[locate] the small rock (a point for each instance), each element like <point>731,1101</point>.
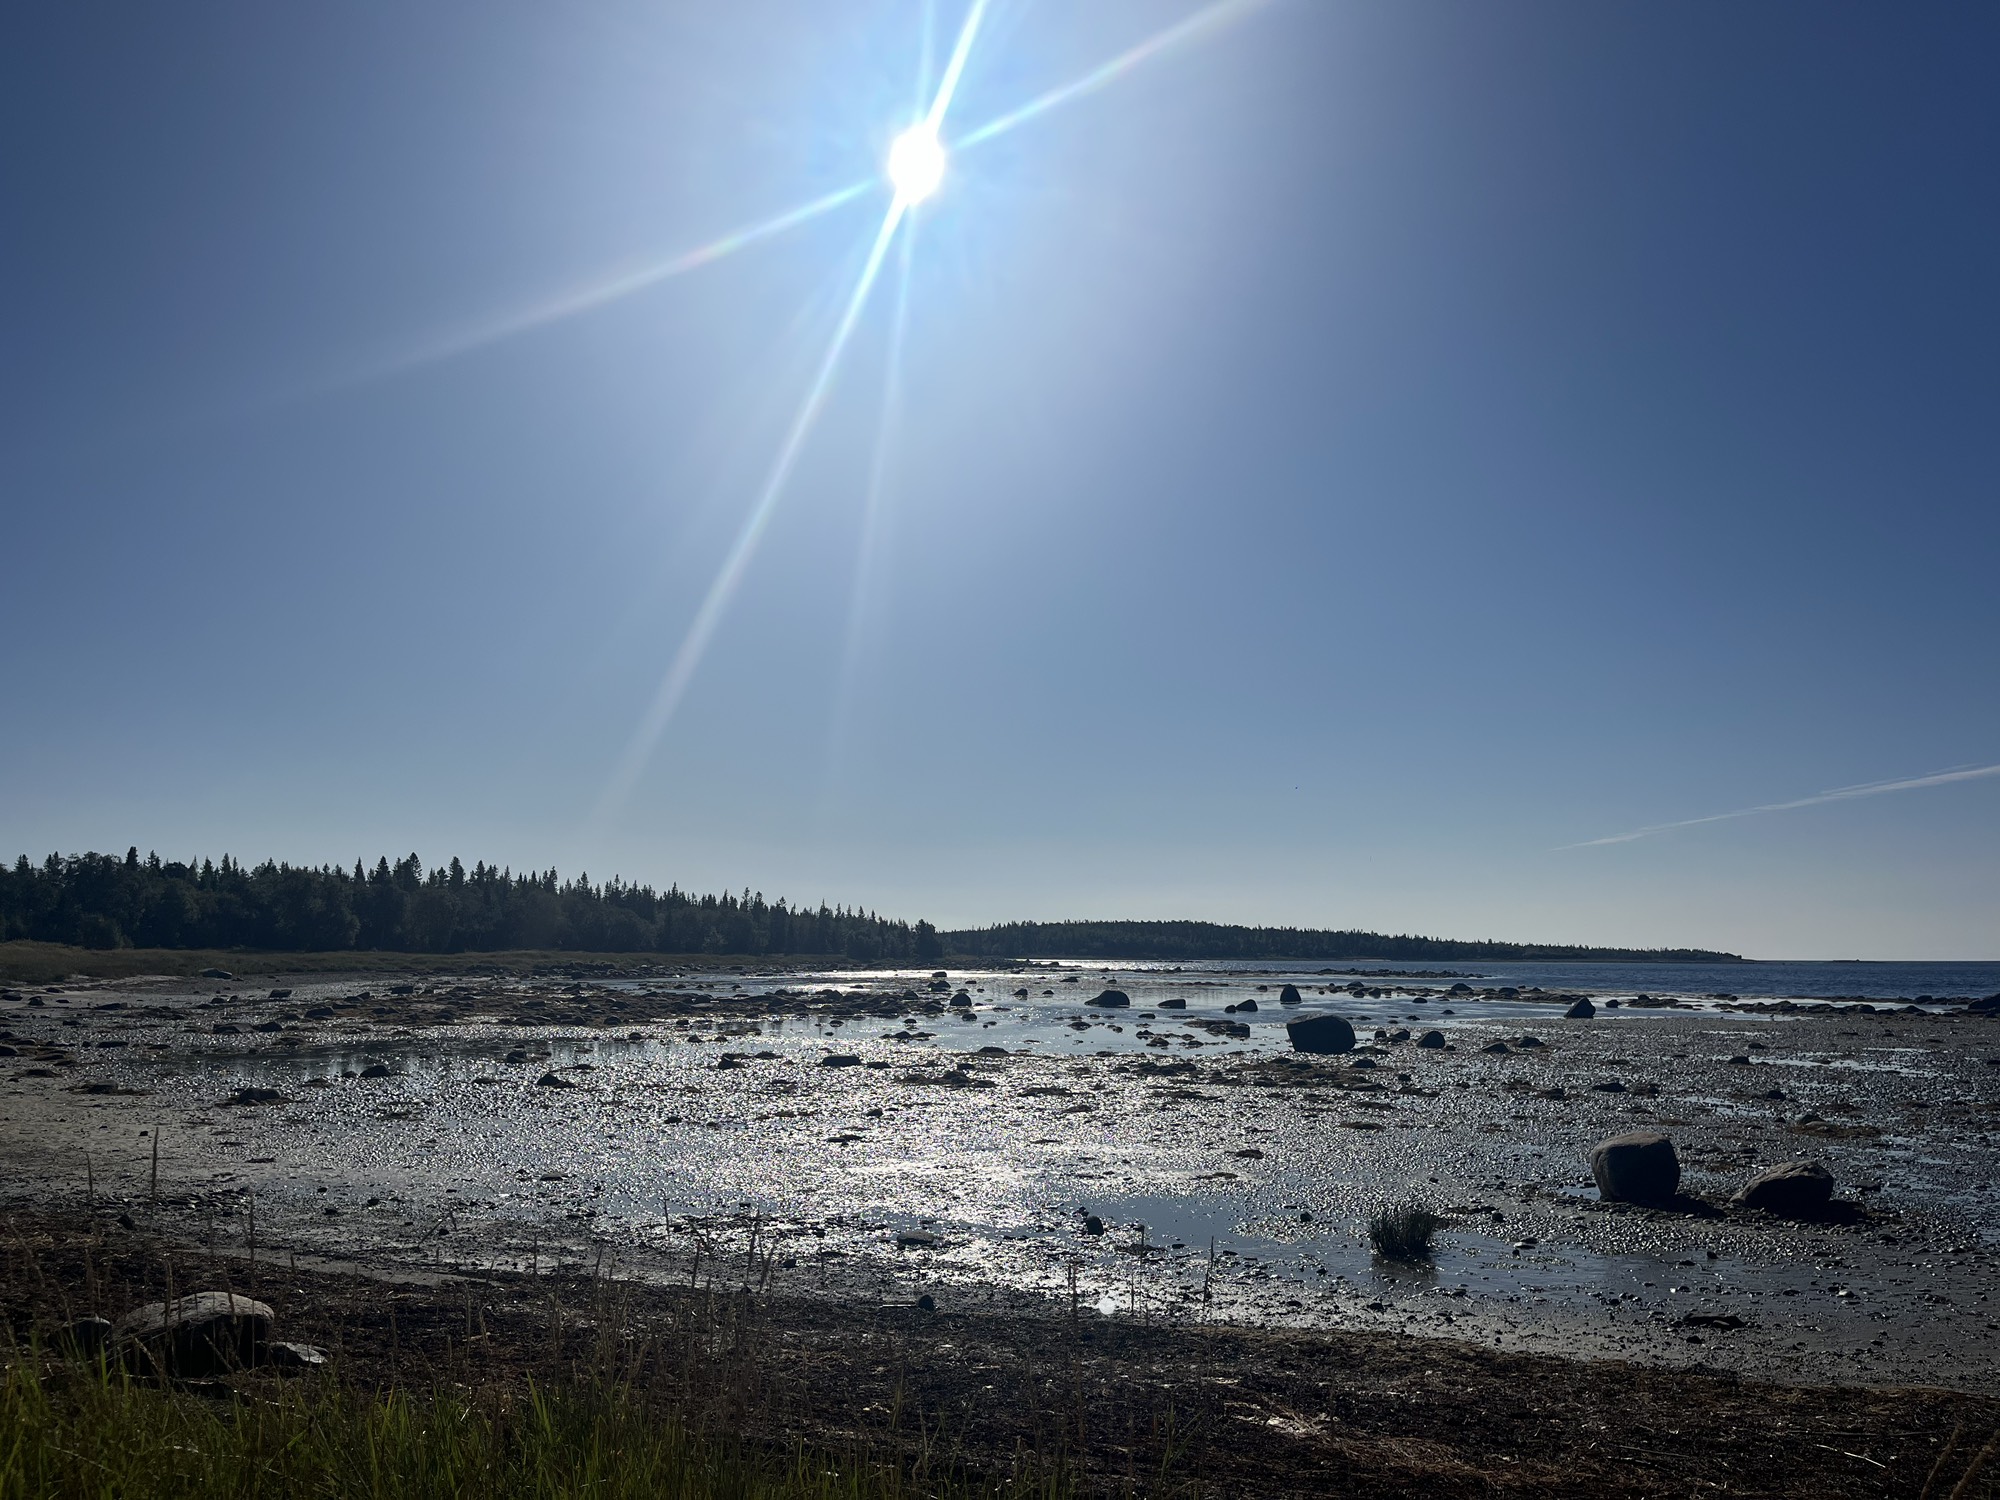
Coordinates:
<point>1609,1086</point>
<point>1498,1049</point>
<point>1320,1034</point>
<point>1791,1190</point>
<point>840,1060</point>
<point>216,974</point>
<point>85,1337</point>
<point>554,1081</point>
<point>1528,1043</point>
<point>293,1356</point>
<point>205,1334</point>
<point>1092,1224</point>
<point>1640,1166</point>
<point>1246,1005</point>
<point>255,1096</point>
<point>1583,1010</point>
<point>1433,1040</point>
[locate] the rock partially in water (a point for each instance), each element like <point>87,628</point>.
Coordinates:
<point>962,1000</point>
<point>191,1337</point>
<point>1112,998</point>
<point>1173,1002</point>
<point>1321,1034</point>
<point>1289,995</point>
<point>1640,1166</point>
<point>1583,1010</point>
<point>1791,1190</point>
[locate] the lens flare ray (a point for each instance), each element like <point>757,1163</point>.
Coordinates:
<point>611,289</point>
<point>1200,24</point>
<point>673,687</point>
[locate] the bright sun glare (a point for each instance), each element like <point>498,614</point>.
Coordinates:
<point>916,163</point>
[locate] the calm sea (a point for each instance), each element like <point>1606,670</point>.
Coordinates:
<point>1761,981</point>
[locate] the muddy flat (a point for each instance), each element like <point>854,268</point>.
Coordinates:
<point>895,1136</point>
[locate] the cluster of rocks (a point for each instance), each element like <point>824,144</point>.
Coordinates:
<point>195,1337</point>
<point>1641,1166</point>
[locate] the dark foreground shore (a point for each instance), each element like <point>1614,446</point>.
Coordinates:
<point>1014,1401</point>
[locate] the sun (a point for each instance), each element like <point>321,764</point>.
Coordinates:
<point>916,163</point>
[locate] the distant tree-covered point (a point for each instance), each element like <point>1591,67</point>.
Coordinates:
<point>102,901</point>
<point>1211,940</point>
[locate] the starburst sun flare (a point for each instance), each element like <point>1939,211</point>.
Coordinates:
<point>914,170</point>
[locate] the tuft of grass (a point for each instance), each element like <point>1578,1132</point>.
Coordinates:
<point>99,1433</point>
<point>1403,1231</point>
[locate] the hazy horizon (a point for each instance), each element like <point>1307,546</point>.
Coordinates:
<point>1522,473</point>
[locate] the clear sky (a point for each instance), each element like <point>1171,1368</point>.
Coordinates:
<point>1320,476</point>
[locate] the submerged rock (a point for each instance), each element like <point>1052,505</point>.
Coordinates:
<point>1322,1034</point>
<point>1640,1166</point>
<point>1792,1190</point>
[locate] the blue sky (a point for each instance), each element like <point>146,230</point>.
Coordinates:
<point>1335,466</point>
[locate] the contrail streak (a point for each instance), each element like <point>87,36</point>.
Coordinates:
<point>1223,13</point>
<point>1839,794</point>
<point>611,289</point>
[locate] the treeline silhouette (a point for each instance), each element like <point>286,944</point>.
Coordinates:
<point>101,901</point>
<point>1211,940</point>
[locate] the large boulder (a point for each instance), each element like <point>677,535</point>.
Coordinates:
<point>190,1337</point>
<point>1583,1010</point>
<point>1113,997</point>
<point>1640,1166</point>
<point>1792,1190</point>
<point>1290,995</point>
<point>1320,1034</point>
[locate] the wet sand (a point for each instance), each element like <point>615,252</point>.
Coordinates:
<point>693,1133</point>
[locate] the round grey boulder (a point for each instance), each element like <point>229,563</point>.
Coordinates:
<point>1640,1166</point>
<point>1791,1190</point>
<point>1324,1034</point>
